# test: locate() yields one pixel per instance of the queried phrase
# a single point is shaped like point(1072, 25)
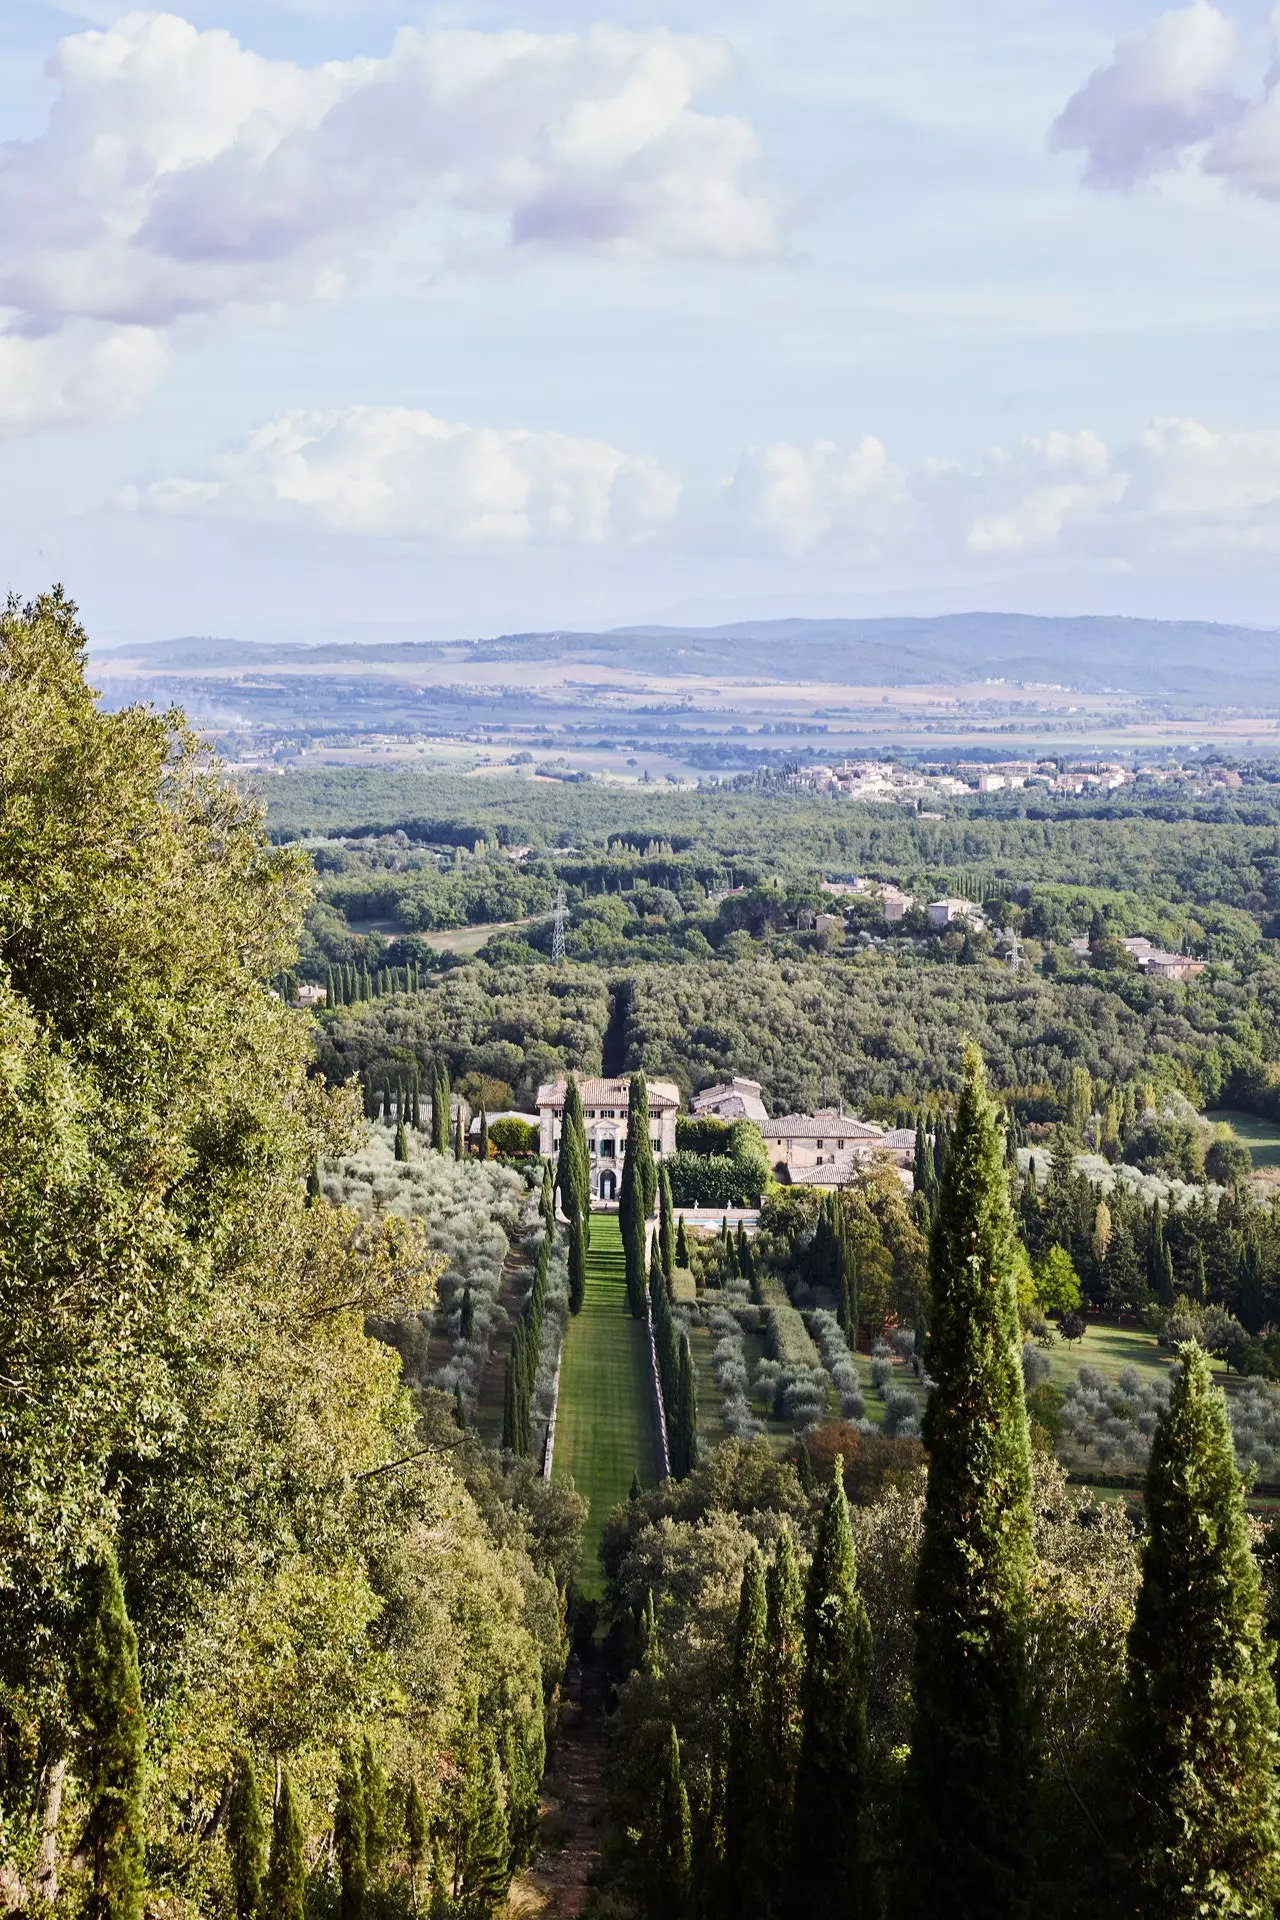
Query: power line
point(557, 933)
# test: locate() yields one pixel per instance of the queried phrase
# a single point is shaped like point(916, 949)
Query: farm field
point(605, 1422)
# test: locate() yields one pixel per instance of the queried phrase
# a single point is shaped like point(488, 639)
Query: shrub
point(512, 1138)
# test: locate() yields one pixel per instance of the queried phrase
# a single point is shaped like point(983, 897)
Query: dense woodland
point(286, 1630)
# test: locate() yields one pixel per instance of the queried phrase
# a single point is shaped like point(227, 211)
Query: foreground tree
point(246, 1838)
point(1201, 1815)
point(670, 1850)
point(286, 1883)
point(110, 1751)
point(636, 1195)
point(972, 1762)
point(573, 1168)
point(350, 1837)
point(827, 1870)
point(747, 1840)
point(782, 1722)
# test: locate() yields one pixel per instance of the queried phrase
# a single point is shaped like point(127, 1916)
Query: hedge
point(789, 1339)
point(714, 1180)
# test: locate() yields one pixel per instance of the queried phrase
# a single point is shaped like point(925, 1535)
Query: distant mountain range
point(1196, 660)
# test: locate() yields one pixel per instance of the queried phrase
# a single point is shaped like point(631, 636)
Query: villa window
point(591, 1113)
point(607, 1149)
point(655, 1141)
point(820, 1143)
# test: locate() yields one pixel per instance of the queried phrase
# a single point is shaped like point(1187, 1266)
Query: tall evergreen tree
point(286, 1883)
point(459, 1141)
point(682, 1244)
point(1200, 1745)
point(246, 1838)
point(666, 1223)
point(110, 1751)
point(781, 1718)
point(467, 1315)
point(971, 1768)
point(670, 1852)
point(746, 1837)
point(402, 1141)
point(416, 1833)
point(682, 1427)
point(577, 1263)
point(547, 1202)
point(635, 1200)
point(484, 1133)
point(827, 1872)
point(373, 1780)
point(573, 1170)
point(349, 1836)
point(486, 1872)
point(440, 1108)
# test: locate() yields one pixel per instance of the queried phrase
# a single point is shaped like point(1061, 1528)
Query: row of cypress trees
point(521, 1369)
point(675, 1371)
point(1191, 1824)
point(344, 985)
point(637, 1192)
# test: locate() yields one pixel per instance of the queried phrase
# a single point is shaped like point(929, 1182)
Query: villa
point(604, 1112)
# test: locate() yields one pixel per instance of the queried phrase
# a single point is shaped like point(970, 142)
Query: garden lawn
point(711, 1427)
point(1110, 1350)
point(605, 1423)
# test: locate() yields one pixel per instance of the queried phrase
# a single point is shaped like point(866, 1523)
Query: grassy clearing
point(1110, 1350)
point(469, 940)
point(1262, 1137)
point(605, 1423)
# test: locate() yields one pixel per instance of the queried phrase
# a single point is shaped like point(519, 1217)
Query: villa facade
point(604, 1113)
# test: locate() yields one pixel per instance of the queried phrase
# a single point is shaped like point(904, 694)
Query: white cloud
point(1164, 100)
point(182, 174)
point(1163, 90)
point(393, 472)
point(798, 497)
point(81, 373)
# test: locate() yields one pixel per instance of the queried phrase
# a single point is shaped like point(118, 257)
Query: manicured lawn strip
point(605, 1423)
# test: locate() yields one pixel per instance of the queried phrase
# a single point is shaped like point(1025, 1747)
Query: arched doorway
point(608, 1185)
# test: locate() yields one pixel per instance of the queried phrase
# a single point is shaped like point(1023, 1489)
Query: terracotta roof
point(822, 1126)
point(609, 1093)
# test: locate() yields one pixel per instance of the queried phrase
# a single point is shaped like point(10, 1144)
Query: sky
point(330, 320)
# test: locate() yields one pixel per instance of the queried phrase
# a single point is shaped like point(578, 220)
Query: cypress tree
point(246, 1838)
point(487, 1873)
point(804, 1469)
point(1199, 1740)
point(110, 1751)
point(509, 1416)
point(484, 1133)
point(415, 1834)
point(459, 1410)
point(827, 1873)
point(682, 1244)
point(349, 1836)
point(745, 1836)
point(671, 1849)
point(459, 1144)
point(573, 1171)
point(467, 1315)
point(402, 1141)
point(373, 1780)
point(547, 1201)
point(639, 1144)
point(684, 1441)
point(577, 1264)
point(971, 1766)
point(746, 1259)
point(666, 1223)
point(731, 1257)
point(781, 1718)
point(286, 1871)
point(328, 987)
point(440, 1108)
point(636, 1488)
point(415, 1105)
